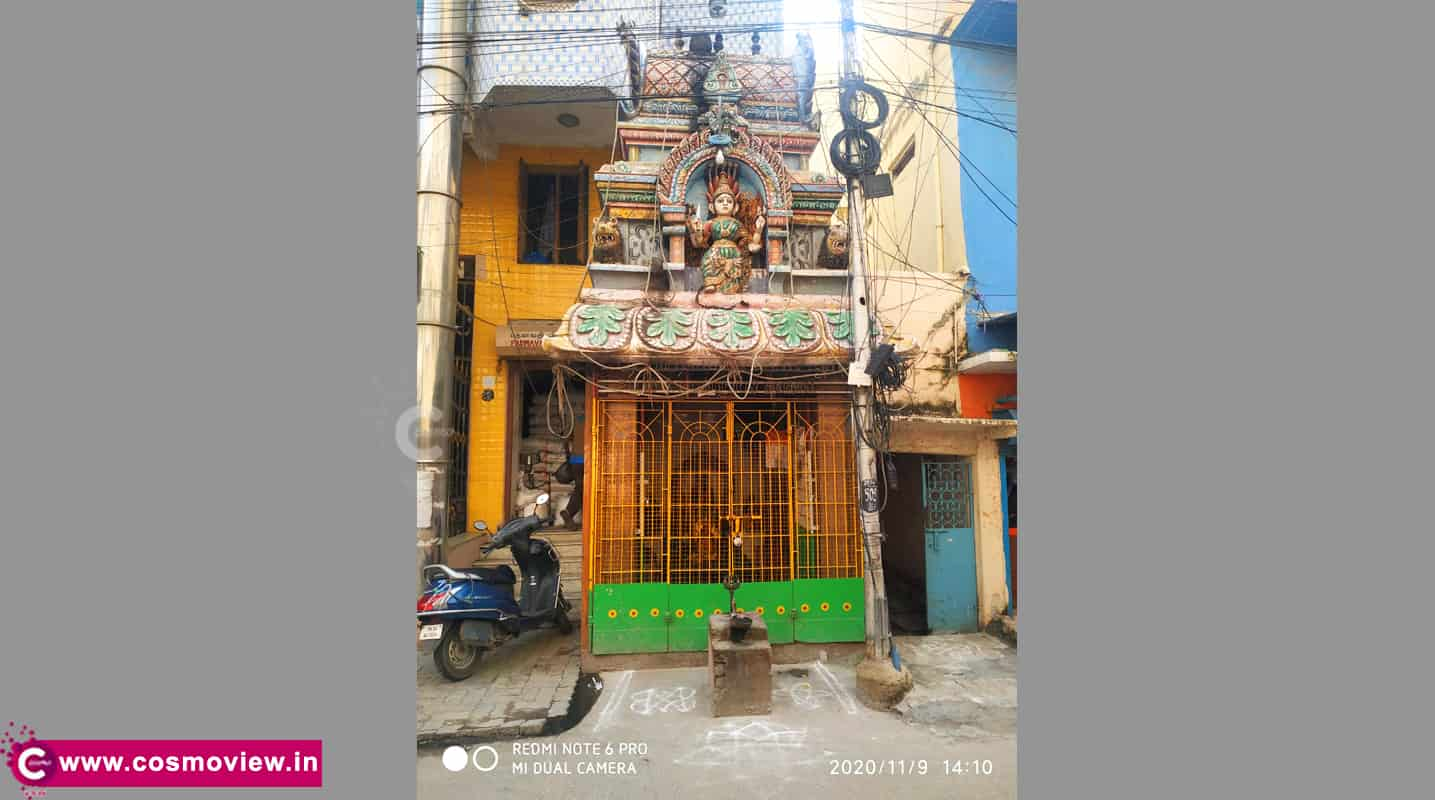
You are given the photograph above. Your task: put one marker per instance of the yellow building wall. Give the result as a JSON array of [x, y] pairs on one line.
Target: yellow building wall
[[488, 227]]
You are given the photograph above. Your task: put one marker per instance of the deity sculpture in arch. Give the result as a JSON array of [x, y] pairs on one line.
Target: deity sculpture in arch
[[732, 235]]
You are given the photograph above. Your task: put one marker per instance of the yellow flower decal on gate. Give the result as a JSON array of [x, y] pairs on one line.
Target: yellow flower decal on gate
[[698, 613], [759, 610], [633, 612], [653, 613], [846, 606], [804, 608], [612, 613], [825, 606], [679, 613], [781, 610]]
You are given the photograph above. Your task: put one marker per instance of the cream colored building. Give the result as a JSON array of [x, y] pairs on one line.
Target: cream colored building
[[917, 261], [915, 250]]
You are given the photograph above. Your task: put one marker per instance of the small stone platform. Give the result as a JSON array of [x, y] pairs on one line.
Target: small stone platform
[[740, 674]]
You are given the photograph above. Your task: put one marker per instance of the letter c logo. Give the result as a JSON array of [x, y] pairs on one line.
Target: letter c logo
[[22, 763]]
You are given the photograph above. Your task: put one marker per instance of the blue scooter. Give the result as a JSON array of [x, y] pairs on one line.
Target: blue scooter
[[465, 612]]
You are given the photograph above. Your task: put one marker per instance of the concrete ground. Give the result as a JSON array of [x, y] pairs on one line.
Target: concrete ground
[[964, 686], [517, 690], [955, 735]]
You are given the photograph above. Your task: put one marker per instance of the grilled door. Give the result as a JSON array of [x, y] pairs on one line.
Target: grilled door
[[951, 546], [629, 554], [677, 480]]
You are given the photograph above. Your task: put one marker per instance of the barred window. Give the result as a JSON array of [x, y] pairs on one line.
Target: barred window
[[553, 214]]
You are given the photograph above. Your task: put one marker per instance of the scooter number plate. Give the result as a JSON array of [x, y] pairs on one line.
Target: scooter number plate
[[431, 632]]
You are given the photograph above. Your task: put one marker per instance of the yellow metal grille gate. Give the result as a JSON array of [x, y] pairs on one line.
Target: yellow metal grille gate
[[673, 480]]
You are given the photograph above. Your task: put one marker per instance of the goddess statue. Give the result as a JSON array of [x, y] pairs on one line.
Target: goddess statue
[[734, 232]]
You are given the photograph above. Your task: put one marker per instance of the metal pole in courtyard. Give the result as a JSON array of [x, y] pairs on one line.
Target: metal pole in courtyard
[[443, 91], [879, 682]]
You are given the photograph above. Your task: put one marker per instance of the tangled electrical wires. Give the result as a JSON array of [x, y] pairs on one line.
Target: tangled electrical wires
[[889, 376], [854, 150], [888, 370]]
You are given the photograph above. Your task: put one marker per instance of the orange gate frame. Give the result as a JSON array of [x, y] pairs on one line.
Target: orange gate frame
[[787, 482]]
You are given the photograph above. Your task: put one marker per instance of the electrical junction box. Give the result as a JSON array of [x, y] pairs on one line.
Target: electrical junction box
[[857, 375]]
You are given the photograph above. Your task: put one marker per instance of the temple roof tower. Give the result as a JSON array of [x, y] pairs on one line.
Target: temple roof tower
[[714, 242]]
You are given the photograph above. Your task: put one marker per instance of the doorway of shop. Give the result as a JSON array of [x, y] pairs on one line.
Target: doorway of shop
[[929, 553]]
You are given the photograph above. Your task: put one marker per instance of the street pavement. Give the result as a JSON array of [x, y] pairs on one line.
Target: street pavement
[[521, 687], [651, 733]]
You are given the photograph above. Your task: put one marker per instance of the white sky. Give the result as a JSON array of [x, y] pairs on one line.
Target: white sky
[[799, 15]]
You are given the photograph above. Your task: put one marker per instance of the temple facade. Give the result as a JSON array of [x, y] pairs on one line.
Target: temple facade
[[714, 342], [659, 293]]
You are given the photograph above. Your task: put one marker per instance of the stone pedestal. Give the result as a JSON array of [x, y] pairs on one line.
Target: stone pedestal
[[740, 673]]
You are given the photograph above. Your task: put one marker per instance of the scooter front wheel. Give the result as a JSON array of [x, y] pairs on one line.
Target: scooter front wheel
[[455, 659]]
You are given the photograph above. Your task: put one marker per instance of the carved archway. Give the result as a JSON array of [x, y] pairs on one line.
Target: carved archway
[[694, 151]]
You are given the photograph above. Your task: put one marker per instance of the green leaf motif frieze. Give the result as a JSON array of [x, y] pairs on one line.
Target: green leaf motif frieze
[[777, 335], [668, 325], [732, 330], [599, 322], [792, 327]]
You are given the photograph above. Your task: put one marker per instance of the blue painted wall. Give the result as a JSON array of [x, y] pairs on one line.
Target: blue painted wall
[[999, 333], [984, 65]]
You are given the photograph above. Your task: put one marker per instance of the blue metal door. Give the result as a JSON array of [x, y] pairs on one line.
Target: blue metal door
[[951, 546]]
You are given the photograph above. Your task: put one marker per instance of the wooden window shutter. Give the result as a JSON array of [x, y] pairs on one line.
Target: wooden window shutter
[[521, 212], [584, 235]]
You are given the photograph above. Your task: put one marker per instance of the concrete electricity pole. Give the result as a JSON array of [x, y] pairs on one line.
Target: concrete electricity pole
[[879, 683], [442, 93]]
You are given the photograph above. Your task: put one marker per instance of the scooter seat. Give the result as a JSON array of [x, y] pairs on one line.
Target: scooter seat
[[501, 574]]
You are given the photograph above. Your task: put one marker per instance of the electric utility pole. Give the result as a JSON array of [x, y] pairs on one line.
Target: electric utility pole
[[442, 95], [878, 637]]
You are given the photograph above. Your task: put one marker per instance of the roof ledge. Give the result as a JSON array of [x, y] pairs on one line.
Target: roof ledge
[[988, 362]]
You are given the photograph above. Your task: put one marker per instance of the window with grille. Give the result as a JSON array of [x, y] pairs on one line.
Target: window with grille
[[462, 385], [552, 214]]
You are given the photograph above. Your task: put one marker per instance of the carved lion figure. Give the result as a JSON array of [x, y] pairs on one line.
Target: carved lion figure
[[607, 241], [833, 253]]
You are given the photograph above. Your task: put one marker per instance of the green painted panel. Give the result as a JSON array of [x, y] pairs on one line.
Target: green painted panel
[[772, 599], [842, 620], [623, 620], [696, 602], [616, 629], [807, 558]]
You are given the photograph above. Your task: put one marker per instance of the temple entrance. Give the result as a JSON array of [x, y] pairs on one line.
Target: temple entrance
[[675, 482]]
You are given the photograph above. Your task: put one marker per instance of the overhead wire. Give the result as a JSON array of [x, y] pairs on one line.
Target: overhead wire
[[962, 159], [512, 9], [597, 35], [894, 378], [582, 36]]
